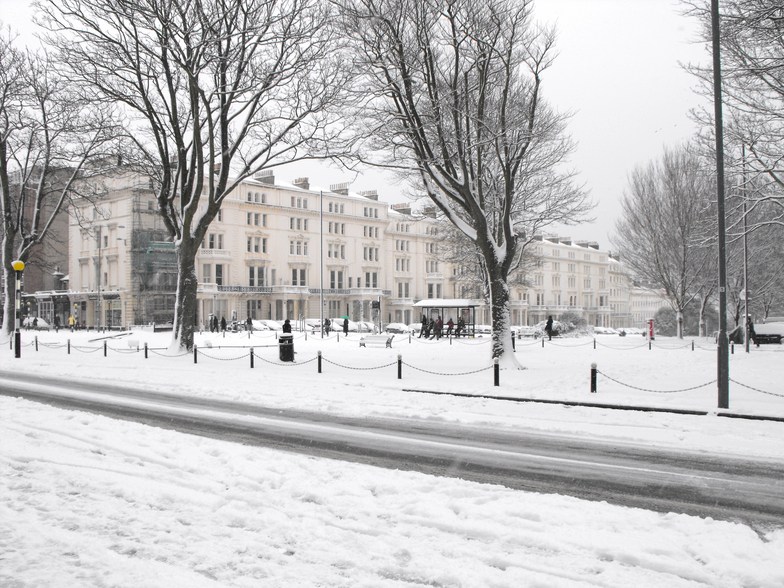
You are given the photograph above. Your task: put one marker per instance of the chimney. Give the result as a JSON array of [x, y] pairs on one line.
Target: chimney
[[565, 240], [303, 183], [265, 176], [341, 188], [582, 243], [593, 245], [402, 208], [429, 211], [369, 194]]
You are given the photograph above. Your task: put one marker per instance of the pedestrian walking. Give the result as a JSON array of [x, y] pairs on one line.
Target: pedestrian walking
[[223, 323], [345, 326], [548, 328], [287, 326]]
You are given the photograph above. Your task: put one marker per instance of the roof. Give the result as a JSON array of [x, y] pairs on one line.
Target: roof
[[447, 303]]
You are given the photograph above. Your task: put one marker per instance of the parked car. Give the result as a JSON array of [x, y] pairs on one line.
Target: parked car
[[769, 332], [397, 328], [34, 322], [528, 332]]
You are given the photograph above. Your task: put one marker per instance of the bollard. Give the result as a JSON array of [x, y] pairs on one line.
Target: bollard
[[649, 345], [36, 342], [692, 344], [105, 346], [542, 342], [594, 343], [195, 354], [251, 358], [319, 361], [593, 378], [513, 343], [145, 350], [338, 334], [69, 347], [399, 366], [732, 348], [496, 373]]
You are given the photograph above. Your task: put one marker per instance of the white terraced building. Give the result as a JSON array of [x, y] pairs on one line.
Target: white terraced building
[[276, 250]]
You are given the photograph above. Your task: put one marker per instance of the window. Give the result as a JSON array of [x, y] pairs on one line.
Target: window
[[298, 276], [215, 241], [257, 276], [219, 274], [298, 247], [371, 279], [336, 279], [206, 273]]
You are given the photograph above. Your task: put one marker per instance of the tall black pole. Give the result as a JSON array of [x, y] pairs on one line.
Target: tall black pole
[[723, 347]]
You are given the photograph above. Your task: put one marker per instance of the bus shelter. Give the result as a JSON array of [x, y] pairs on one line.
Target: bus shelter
[[450, 308]]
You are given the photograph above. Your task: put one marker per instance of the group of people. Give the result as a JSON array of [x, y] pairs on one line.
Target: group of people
[[215, 325], [434, 329]]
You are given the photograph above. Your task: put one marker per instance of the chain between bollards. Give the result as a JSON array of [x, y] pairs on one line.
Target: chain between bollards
[[593, 378]]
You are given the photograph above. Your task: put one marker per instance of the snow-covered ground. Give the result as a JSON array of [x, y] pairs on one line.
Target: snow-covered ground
[[90, 501]]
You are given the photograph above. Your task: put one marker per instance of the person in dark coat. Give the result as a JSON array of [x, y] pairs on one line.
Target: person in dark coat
[[450, 324], [327, 325], [249, 325], [345, 326], [752, 333], [548, 328], [423, 328], [439, 327], [223, 323], [287, 326], [215, 325]]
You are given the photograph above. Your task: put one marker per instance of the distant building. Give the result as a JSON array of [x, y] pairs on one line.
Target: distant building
[[277, 250]]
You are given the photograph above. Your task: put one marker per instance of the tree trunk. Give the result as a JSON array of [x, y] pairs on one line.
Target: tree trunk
[[9, 302], [185, 302], [499, 305]]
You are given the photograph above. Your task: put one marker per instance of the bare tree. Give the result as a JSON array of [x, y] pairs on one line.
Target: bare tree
[[664, 233], [214, 90], [454, 98], [752, 51], [49, 142]]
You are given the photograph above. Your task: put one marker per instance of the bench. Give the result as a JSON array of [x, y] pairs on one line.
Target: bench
[[385, 340]]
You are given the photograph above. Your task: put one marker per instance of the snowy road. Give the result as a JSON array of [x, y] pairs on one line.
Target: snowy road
[[630, 475]]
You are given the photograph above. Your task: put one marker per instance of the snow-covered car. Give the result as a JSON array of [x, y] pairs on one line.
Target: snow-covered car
[[270, 324], [398, 328], [769, 332], [34, 322], [526, 331], [604, 331], [414, 328], [365, 327]]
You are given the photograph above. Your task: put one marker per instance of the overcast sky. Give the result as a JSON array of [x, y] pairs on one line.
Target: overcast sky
[[618, 71]]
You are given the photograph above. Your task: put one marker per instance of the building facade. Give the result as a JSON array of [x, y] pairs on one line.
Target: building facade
[[278, 251]]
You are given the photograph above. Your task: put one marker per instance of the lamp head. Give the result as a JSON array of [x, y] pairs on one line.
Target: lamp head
[[18, 265]]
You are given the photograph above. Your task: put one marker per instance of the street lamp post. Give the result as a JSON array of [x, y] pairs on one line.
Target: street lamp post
[[18, 266]]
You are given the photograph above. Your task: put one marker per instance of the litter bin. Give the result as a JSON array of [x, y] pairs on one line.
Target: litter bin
[[286, 347]]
